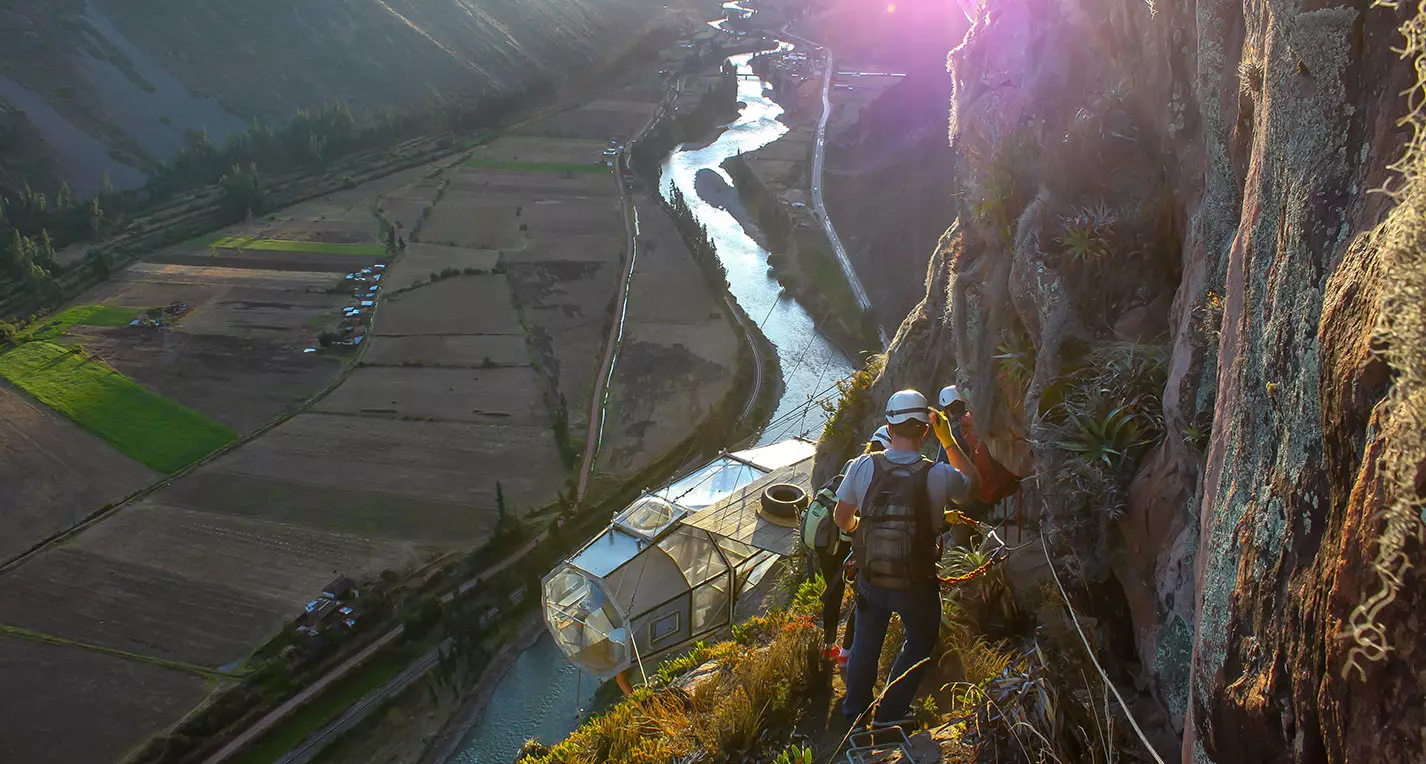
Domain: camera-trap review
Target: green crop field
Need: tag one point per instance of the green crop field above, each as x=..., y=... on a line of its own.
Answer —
x=81, y=315
x=286, y=245
x=153, y=430
x=503, y=164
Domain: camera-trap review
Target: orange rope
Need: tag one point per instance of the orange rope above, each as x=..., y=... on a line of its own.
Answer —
x=972, y=575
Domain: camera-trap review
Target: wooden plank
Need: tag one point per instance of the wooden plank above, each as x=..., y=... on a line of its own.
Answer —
x=736, y=517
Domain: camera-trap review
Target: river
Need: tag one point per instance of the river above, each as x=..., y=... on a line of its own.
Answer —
x=542, y=694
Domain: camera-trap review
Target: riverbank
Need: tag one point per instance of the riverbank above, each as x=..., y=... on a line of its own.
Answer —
x=459, y=724
x=719, y=245
x=738, y=414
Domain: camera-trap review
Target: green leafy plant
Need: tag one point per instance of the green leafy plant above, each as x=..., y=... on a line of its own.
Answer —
x=1015, y=362
x=1105, y=439
x=1081, y=242
x=1108, y=414
x=852, y=406
x=1197, y=437
x=798, y=754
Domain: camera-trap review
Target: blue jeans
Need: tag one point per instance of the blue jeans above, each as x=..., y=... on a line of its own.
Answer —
x=920, y=611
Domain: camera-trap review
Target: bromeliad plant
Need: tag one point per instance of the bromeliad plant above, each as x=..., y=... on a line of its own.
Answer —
x=1015, y=367
x=1086, y=233
x=1104, y=441
x=1108, y=416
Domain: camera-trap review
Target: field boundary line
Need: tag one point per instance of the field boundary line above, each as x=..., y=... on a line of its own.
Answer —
x=203, y=461
x=604, y=380
x=242, y=440
x=168, y=663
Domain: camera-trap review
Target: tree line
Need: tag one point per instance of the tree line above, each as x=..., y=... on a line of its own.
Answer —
x=34, y=223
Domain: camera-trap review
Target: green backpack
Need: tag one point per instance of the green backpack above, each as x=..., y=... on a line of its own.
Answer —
x=819, y=530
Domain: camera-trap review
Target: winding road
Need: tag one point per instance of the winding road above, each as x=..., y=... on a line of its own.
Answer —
x=819, y=206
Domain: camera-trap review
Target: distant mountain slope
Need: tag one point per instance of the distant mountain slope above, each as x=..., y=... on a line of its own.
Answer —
x=111, y=86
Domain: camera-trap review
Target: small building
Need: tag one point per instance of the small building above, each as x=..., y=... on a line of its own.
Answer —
x=349, y=615
x=321, y=612
x=340, y=588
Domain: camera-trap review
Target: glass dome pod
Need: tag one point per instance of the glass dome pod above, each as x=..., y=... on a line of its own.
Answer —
x=650, y=582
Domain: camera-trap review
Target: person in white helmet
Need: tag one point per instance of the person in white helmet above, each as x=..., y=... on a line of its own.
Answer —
x=994, y=481
x=955, y=408
x=895, y=503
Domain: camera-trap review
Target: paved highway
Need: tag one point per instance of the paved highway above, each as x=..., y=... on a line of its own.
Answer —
x=818, y=205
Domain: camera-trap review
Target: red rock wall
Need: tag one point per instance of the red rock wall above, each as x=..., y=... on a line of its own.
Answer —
x=1239, y=142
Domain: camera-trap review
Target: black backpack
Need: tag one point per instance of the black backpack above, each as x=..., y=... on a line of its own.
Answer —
x=895, y=544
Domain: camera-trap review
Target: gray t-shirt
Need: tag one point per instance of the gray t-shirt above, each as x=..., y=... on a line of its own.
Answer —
x=944, y=484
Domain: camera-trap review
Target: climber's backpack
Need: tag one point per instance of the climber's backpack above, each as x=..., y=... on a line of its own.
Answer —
x=819, y=531
x=895, y=544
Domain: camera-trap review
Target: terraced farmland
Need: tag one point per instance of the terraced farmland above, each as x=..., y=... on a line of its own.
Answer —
x=475, y=377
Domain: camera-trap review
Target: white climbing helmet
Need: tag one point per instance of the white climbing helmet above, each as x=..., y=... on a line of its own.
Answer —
x=906, y=406
x=882, y=436
x=951, y=394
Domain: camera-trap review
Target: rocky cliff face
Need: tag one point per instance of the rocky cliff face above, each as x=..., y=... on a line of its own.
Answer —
x=1178, y=308
x=102, y=86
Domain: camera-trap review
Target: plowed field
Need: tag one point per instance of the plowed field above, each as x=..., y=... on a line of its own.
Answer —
x=65, y=705
x=53, y=473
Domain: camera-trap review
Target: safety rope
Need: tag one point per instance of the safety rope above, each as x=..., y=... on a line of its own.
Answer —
x=975, y=573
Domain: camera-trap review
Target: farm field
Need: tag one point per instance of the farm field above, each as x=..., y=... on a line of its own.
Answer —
x=450, y=396
x=679, y=354
x=284, y=245
x=154, y=431
x=419, y=261
x=53, y=473
x=474, y=222
x=453, y=462
x=508, y=395
x=464, y=351
x=459, y=305
x=531, y=187
x=567, y=305
x=259, y=260
x=524, y=148
x=375, y=516
x=621, y=114
x=81, y=315
x=136, y=608
x=531, y=166
x=404, y=207
x=82, y=706
x=269, y=560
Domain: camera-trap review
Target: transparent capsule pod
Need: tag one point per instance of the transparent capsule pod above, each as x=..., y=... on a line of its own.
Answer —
x=650, y=583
